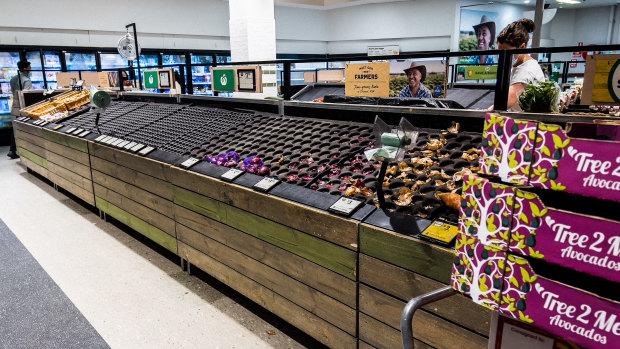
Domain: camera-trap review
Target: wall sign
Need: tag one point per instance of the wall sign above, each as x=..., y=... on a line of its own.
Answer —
x=223, y=79
x=160, y=78
x=386, y=50
x=367, y=80
x=151, y=79
x=487, y=72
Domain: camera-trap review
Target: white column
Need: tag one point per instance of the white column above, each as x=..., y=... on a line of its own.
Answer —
x=253, y=38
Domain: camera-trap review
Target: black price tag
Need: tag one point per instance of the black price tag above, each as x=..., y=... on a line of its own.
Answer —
x=84, y=134
x=266, y=184
x=345, y=206
x=145, y=151
x=231, y=175
x=71, y=130
x=57, y=127
x=189, y=163
x=130, y=145
x=100, y=138
x=137, y=147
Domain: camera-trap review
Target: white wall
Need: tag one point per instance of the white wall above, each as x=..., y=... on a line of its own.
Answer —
x=301, y=30
x=419, y=25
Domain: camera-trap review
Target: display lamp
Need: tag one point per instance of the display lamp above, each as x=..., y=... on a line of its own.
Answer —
x=392, y=143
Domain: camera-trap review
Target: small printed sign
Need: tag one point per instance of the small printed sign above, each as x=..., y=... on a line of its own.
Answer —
x=345, y=206
x=71, y=130
x=367, y=80
x=146, y=151
x=386, y=50
x=190, y=162
x=110, y=140
x=487, y=72
x=122, y=144
x=130, y=145
x=116, y=142
x=137, y=147
x=441, y=232
x=224, y=80
x=57, y=127
x=231, y=174
x=84, y=134
x=266, y=184
x=44, y=123
x=78, y=131
x=151, y=79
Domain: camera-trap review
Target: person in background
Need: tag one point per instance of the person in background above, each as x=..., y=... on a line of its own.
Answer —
x=485, y=34
x=416, y=74
x=19, y=82
x=525, y=69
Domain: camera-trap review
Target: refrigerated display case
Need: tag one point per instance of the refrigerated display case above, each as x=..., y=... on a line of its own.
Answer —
x=81, y=61
x=113, y=61
x=52, y=65
x=36, y=74
x=201, y=75
x=8, y=68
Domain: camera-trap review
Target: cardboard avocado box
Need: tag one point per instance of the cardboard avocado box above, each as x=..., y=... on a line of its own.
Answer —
x=583, y=159
x=508, y=284
x=516, y=221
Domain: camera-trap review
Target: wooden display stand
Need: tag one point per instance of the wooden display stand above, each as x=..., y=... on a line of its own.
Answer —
x=393, y=269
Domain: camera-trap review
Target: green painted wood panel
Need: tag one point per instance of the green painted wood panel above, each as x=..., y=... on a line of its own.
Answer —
x=151, y=232
x=69, y=141
x=412, y=254
x=32, y=157
x=321, y=252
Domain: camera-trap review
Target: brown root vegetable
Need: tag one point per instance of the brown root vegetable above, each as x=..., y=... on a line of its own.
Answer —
x=455, y=127
x=451, y=200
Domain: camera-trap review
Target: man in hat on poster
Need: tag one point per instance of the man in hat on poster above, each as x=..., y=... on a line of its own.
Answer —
x=416, y=74
x=485, y=34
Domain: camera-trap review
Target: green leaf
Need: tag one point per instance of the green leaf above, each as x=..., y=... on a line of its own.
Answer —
x=545, y=150
x=535, y=210
x=523, y=218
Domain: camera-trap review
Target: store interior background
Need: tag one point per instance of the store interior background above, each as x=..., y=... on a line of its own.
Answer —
x=344, y=27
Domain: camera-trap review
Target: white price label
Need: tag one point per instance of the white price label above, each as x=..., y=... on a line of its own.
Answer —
x=266, y=184
x=190, y=162
x=231, y=174
x=116, y=142
x=110, y=140
x=345, y=206
x=71, y=130
x=84, y=134
x=44, y=123
x=130, y=145
x=146, y=150
x=137, y=147
x=122, y=144
x=78, y=131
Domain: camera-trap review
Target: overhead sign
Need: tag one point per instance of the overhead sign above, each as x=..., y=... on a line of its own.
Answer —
x=483, y=72
x=602, y=80
x=367, y=80
x=386, y=50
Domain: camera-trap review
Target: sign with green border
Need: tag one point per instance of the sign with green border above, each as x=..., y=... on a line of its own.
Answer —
x=224, y=80
x=151, y=79
x=483, y=72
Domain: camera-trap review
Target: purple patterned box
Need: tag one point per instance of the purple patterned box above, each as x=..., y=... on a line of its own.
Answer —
x=570, y=313
x=518, y=222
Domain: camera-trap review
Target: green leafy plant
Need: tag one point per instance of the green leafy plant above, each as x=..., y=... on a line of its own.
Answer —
x=540, y=97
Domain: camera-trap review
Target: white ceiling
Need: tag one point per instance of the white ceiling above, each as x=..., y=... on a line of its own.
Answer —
x=331, y=4
x=555, y=4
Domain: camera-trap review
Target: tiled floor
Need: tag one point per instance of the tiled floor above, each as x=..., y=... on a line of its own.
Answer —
x=133, y=295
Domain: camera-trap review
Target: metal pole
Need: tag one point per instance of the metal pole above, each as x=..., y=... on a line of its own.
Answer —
x=135, y=37
x=538, y=17
x=406, y=320
x=503, y=80
x=286, y=84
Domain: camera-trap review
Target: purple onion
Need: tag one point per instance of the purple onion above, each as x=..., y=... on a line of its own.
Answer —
x=264, y=171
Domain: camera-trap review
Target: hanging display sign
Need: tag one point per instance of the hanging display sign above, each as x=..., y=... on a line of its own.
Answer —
x=481, y=72
x=127, y=47
x=386, y=50
x=367, y=80
x=601, y=83
x=160, y=78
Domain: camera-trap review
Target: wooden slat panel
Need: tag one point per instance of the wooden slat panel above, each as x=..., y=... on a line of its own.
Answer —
x=364, y=345
x=69, y=164
x=71, y=177
x=330, y=256
x=382, y=336
x=85, y=195
x=412, y=254
x=35, y=167
x=404, y=284
x=136, y=209
x=427, y=327
x=316, y=222
x=137, y=224
x=35, y=149
x=142, y=196
x=30, y=138
x=28, y=128
x=32, y=157
x=308, y=298
x=140, y=180
x=147, y=166
x=67, y=152
x=66, y=140
x=324, y=280
x=289, y=311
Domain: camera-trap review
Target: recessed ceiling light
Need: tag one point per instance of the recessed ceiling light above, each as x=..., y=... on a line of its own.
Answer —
x=569, y=2
x=526, y=1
